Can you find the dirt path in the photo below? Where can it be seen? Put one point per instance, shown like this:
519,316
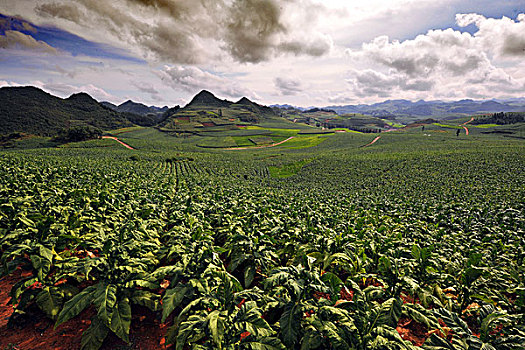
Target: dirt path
272,145
465,123
371,143
122,143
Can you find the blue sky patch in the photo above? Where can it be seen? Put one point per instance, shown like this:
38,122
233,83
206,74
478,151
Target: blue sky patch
65,41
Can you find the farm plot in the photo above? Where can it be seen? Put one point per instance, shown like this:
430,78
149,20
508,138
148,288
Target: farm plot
361,250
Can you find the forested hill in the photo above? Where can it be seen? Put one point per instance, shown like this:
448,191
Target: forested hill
501,118
33,111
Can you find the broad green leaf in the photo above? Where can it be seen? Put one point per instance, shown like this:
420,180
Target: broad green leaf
264,343
290,323
50,301
249,275
172,299
216,327
106,302
121,319
76,305
94,336
146,299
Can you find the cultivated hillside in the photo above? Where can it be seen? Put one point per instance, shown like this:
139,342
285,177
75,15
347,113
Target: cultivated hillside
205,110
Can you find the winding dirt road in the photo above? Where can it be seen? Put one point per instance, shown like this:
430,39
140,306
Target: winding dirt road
122,143
371,143
465,123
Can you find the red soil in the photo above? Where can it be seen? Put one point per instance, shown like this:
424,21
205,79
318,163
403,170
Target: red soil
412,331
37,331
371,143
122,143
464,127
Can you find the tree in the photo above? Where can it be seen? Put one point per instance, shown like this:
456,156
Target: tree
79,133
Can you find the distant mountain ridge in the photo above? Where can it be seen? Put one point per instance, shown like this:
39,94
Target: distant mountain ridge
135,107
34,111
405,109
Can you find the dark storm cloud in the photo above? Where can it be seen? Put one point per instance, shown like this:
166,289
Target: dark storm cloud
170,44
193,31
69,12
251,29
175,8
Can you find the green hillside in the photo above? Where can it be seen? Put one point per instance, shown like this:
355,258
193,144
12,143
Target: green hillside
33,111
329,119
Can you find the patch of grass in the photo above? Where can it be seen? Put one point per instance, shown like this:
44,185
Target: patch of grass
304,142
448,126
483,126
316,132
243,141
99,143
261,140
287,170
217,142
29,142
125,130
393,124
347,130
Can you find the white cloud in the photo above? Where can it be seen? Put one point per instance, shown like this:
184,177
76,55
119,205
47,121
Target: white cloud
503,37
288,86
4,83
148,89
441,60
291,51
193,79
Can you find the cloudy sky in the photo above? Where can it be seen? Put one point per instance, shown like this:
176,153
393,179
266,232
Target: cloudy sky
301,52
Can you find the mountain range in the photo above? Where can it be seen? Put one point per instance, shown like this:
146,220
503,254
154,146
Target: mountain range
407,111
33,111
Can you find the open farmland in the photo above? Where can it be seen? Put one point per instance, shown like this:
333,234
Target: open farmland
416,241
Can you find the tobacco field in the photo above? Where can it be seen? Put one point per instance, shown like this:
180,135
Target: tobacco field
387,247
